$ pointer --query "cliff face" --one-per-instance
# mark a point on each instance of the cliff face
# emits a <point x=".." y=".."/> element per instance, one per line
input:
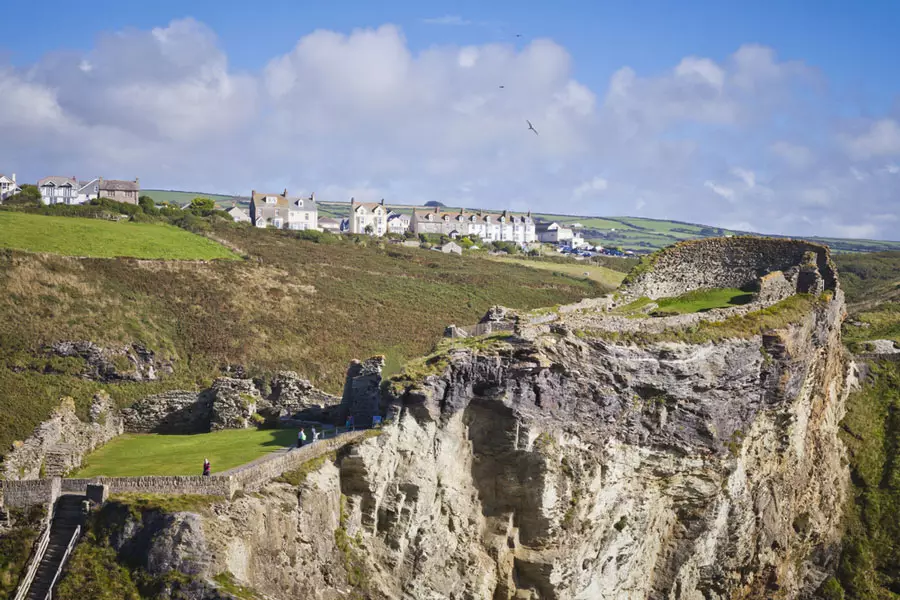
<point x="553" y="463"/>
<point x="565" y="467"/>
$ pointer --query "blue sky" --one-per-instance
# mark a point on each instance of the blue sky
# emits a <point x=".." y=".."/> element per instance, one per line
<point x="814" y="89"/>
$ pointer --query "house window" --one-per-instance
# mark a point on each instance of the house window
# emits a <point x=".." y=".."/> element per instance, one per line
<point x="277" y="223"/>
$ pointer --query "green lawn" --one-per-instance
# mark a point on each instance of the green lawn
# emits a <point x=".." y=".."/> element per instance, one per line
<point x="702" y="300"/>
<point x="104" y="239"/>
<point x="596" y="273"/>
<point x="154" y="454"/>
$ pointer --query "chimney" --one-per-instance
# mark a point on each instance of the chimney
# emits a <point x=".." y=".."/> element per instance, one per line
<point x="284" y="193"/>
<point x="14" y="177"/>
<point x="436" y="209"/>
<point x="312" y="196"/>
<point x="382" y="201"/>
<point x="352" y="200"/>
<point x="137" y="181"/>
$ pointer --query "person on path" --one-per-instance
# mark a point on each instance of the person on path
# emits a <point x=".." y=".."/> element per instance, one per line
<point x="301" y="438"/>
<point x="206" y="467"/>
<point x="315" y="435"/>
<point x="349" y="424"/>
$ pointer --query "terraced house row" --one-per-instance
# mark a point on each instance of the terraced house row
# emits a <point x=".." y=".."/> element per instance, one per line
<point x="502" y="227"/>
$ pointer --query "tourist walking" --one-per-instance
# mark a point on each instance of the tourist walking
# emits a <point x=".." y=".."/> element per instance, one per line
<point x="206" y="467"/>
<point x="315" y="435"/>
<point x="349" y="424"/>
<point x="301" y="438"/>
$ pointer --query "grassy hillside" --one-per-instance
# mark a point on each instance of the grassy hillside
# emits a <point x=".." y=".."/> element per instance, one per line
<point x="176" y="197"/>
<point x="870" y="562"/>
<point x="294" y="304"/>
<point x="101" y="238"/>
<point x="602" y="275"/>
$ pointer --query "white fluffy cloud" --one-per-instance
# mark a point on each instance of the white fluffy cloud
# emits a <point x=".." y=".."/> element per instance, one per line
<point x="362" y="114"/>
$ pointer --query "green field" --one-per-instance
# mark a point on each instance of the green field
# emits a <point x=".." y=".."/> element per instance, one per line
<point x="702" y="300"/>
<point x="602" y="275"/>
<point x="104" y="239"/>
<point x="133" y="455"/>
<point x="179" y="198"/>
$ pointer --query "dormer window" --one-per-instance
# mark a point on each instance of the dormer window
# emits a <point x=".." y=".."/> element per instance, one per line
<point x="300" y="203"/>
<point x="427" y="217"/>
<point x="270" y="200"/>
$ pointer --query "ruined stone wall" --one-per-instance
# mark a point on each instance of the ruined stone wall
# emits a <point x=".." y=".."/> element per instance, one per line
<point x="721" y="262"/>
<point x="58" y="444"/>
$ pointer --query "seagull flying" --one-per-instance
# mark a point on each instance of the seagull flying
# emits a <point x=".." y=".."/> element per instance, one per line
<point x="531" y="127"/>
<point x="502" y="86"/>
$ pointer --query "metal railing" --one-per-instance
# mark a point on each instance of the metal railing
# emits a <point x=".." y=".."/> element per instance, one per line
<point x="62" y="562"/>
<point x="36" y="558"/>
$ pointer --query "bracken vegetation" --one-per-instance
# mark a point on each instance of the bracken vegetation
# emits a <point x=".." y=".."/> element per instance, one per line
<point x="870" y="560"/>
<point x="302" y="301"/>
<point x="16" y="544"/>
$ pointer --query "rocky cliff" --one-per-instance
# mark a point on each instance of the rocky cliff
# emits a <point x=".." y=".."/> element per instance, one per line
<point x="557" y="464"/>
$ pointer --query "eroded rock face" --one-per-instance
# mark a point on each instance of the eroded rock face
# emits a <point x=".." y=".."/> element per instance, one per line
<point x="58" y="444"/>
<point x="134" y="362"/>
<point x="572" y="468"/>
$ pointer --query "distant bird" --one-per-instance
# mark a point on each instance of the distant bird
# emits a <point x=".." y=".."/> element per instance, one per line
<point x="502" y="86"/>
<point x="518" y="35"/>
<point x="531" y="127"/>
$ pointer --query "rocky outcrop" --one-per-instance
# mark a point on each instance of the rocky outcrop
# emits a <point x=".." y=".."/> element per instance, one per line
<point x="134" y="362"/>
<point x="233" y="402"/>
<point x="58" y="444"/>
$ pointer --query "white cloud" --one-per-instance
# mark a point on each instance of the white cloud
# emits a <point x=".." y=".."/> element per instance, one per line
<point x="882" y="138"/>
<point x="591" y="188"/>
<point x="362" y="114"/>
<point x="447" y="20"/>
<point x="745" y="175"/>
<point x="720" y="190"/>
<point x="795" y="155"/>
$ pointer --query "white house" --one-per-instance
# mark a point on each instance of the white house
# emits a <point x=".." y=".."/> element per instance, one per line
<point x="283" y="212"/>
<point x="451" y="247"/>
<point x="398" y="223"/>
<point x="554" y="233"/>
<point x="330" y="225"/>
<point x="372" y="215"/>
<point x="67" y="190"/>
<point x="238" y="214"/>
<point x="8" y="186"/>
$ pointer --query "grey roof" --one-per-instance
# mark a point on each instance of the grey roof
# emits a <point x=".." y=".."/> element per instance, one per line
<point x="329" y="220"/>
<point x="58" y="181"/>
<point x="117" y="185"/>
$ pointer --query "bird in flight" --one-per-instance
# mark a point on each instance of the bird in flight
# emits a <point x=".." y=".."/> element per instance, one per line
<point x="531" y="127"/>
<point x="502" y="86"/>
<point x="518" y="35"/>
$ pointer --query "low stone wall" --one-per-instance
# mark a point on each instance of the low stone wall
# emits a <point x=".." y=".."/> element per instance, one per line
<point x="27" y="493"/>
<point x="252" y="476"/>
<point x="198" y="485"/>
<point x="721" y="262"/>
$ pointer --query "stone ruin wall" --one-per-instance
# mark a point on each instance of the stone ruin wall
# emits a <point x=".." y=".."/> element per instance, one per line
<point x="722" y="262"/>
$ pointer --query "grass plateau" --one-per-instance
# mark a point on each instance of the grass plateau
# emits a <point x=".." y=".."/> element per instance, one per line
<point x="106" y="239"/>
<point x="133" y="455"/>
